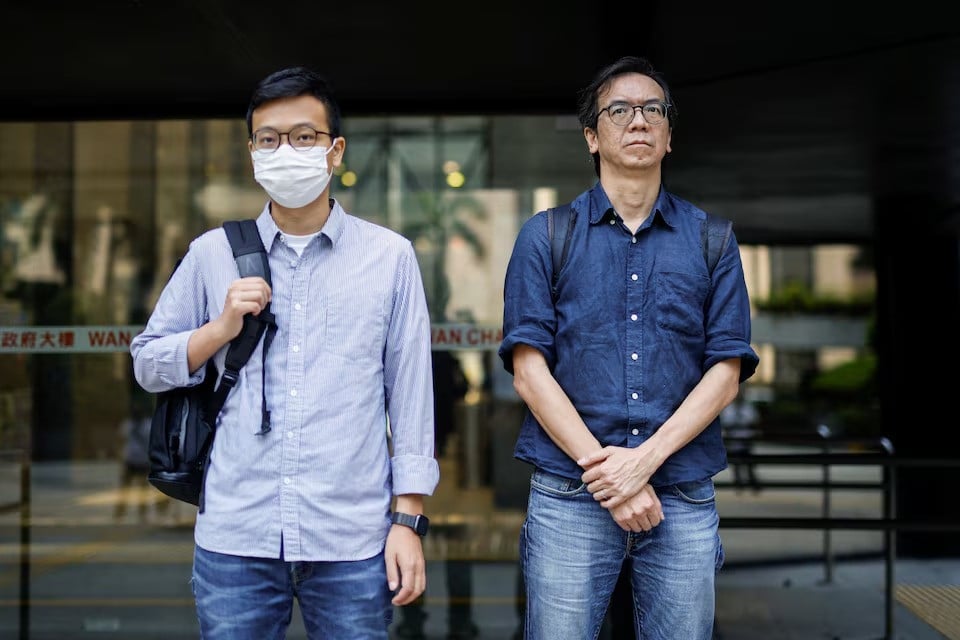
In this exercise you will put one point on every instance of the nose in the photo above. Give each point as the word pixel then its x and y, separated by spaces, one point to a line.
pixel 638 115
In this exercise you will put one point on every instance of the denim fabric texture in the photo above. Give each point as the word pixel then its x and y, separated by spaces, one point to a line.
pixel 242 598
pixel 638 321
pixel 572 552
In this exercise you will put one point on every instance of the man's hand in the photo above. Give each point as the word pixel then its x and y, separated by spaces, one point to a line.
pixel 406 568
pixel 245 295
pixel 615 474
pixel 642 512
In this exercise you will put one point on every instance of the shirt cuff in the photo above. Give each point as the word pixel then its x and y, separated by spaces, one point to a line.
pixel 415 474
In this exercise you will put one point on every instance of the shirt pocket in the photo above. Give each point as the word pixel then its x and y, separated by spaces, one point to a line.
pixel 354 329
pixel 680 298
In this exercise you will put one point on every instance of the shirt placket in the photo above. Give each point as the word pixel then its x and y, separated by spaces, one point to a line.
pixel 633 341
pixel 300 306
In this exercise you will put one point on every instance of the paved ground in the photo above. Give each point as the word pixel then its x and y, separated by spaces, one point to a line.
pixel 96 572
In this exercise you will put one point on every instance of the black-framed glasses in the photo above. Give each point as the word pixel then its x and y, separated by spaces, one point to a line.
pixel 623 113
pixel 300 138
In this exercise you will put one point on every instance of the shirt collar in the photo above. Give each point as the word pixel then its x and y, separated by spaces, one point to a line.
pixel 600 209
pixel 332 228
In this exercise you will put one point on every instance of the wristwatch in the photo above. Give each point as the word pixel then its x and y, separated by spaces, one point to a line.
pixel 418 523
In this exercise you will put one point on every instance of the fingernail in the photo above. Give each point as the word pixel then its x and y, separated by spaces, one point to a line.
pixel 393 586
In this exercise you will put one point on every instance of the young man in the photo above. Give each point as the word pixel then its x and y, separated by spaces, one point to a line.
pixel 623 377
pixel 300 507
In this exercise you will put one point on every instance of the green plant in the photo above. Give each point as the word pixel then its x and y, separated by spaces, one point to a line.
pixel 796 297
pixel 432 219
pixel 856 378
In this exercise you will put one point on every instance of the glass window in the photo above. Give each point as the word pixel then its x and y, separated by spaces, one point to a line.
pixel 93 217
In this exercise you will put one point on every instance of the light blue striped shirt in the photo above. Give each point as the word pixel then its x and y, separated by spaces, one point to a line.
pixel 351 355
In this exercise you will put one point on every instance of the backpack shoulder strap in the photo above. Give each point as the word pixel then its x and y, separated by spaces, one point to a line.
pixel 251 257
pixel 248 249
pixel 252 260
pixel 560 227
pixel 715 234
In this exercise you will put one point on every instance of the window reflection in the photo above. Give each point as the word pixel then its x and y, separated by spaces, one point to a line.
pixel 94 215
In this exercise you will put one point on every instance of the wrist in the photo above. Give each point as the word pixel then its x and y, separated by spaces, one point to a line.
pixel 418 522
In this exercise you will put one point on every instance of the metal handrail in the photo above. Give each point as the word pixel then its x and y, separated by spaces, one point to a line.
pixel 877 452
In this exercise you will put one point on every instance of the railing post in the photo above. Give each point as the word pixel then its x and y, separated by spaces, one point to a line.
pixel 824 432
pixel 889 538
pixel 24 604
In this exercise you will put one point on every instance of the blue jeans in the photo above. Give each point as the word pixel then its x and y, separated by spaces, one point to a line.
pixel 241 598
pixel 571 552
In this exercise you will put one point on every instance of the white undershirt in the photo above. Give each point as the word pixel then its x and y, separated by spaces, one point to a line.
pixel 298 243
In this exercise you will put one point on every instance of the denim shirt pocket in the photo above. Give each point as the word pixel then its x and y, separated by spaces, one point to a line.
pixel 680 298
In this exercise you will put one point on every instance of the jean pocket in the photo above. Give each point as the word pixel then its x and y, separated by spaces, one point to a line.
pixel 555 485
pixel 696 492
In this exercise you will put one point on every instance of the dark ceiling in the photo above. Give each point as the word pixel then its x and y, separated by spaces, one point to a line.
pixel 799 114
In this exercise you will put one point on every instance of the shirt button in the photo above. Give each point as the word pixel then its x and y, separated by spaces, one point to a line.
pixel 613 221
pixel 286 481
pixel 633 239
pixel 289 435
pixel 296 348
pixel 635 432
pixel 633 356
pixel 634 395
pixel 634 277
pixel 297 306
pixel 633 317
pixel 293 392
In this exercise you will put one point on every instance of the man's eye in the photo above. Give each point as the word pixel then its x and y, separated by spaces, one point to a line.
pixel 619 109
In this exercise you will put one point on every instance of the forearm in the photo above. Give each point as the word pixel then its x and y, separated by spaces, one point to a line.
pixel 716 390
pixel 411 503
pixel 550 405
pixel 204 342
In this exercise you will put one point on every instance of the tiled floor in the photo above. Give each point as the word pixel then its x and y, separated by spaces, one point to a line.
pixel 94 575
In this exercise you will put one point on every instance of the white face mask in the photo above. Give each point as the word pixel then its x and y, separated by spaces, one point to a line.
pixel 292 178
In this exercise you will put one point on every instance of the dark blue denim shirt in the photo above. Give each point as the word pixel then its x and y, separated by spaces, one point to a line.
pixel 638 321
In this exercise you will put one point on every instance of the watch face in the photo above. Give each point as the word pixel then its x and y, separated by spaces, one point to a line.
pixel 422 525
pixel 419 523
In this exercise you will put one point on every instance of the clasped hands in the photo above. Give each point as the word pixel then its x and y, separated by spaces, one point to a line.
pixel 617 478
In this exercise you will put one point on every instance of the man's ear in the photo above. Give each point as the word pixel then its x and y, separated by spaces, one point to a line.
pixel 590 136
pixel 339 147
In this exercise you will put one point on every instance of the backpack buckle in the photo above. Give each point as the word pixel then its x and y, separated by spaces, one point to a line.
pixel 229 377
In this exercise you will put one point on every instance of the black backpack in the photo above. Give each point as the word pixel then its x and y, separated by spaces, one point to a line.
pixel 185 418
pixel 714 235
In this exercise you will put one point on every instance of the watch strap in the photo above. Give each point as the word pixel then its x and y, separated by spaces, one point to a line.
pixel 419 523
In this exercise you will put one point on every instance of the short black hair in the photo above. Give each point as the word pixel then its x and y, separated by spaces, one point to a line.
pixel 290 83
pixel 587 107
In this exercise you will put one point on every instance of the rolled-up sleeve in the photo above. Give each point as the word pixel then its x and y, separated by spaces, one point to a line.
pixel 528 311
pixel 408 382
pixel 728 315
pixel 160 351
